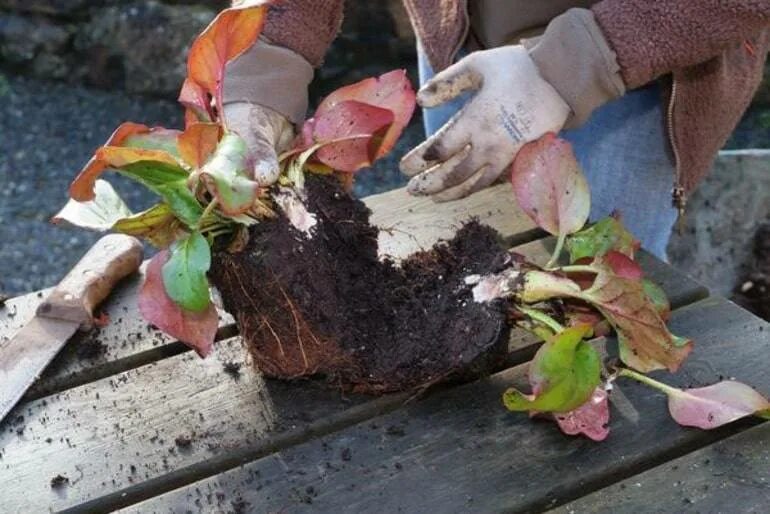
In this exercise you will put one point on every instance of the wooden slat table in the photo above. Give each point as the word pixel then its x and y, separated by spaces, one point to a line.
pixel 129 419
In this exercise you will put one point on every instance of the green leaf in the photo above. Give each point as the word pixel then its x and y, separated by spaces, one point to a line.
pixel 603 236
pixel 228 178
pixel 98 214
pixel 158 139
pixel 153 173
pixel 170 182
pixel 563 374
pixel 657 296
pixel 184 274
pixel 158 224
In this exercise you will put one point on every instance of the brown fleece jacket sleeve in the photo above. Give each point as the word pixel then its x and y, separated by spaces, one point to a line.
pixel 654 37
pixel 307 27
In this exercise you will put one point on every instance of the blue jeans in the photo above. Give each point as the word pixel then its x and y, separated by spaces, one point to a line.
pixel 625 156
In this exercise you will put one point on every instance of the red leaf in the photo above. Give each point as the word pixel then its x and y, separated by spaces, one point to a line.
pixel 196 330
pixel 198 142
pixel 362 126
pixel 715 405
pixel 231 33
pixel 623 266
pixel 550 187
pixel 82 188
pixel 590 419
pixel 391 91
pixel 197 103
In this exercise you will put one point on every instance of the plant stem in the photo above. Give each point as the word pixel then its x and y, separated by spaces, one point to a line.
pixel 660 386
pixel 577 268
pixel 542 317
pixel 556 251
pixel 208 210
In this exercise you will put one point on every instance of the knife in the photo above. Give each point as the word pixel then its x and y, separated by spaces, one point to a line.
pixel 69 307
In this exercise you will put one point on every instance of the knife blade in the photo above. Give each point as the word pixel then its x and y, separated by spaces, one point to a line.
pixel 69 308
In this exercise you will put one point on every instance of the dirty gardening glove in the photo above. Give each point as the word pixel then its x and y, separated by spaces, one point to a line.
pixel 513 105
pixel 266 133
pixel 264 94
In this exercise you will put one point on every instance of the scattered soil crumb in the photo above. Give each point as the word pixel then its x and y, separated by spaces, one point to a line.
pixel 240 506
pixel 395 430
pixel 183 441
pixel 233 369
pixel 59 481
pixel 91 349
pixel 346 454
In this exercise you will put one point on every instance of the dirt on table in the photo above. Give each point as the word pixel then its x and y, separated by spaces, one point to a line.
pixel 328 305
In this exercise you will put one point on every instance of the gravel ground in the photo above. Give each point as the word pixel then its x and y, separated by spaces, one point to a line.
pixel 49 130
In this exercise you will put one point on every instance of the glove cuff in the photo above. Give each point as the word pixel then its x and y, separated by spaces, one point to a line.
pixel 575 58
pixel 271 76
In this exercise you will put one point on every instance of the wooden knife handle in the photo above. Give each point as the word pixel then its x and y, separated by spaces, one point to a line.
pixel 112 258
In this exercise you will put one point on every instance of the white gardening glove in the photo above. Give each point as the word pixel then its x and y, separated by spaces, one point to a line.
pixel 267 134
pixel 513 105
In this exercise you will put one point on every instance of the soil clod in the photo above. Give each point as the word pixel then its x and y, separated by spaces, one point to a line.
pixel 59 481
pixel 328 305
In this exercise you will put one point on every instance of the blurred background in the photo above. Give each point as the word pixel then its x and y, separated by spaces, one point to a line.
pixel 72 70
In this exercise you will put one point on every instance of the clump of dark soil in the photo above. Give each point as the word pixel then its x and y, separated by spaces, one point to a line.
pixel 59 481
pixel 327 305
pixel 753 289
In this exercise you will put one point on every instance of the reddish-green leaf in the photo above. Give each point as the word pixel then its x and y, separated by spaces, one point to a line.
pixel 196 330
pixel 231 33
pixel 623 266
pixel 82 188
pixel 99 214
pixel 605 235
pixel 391 91
pixel 715 405
pixel 184 274
pixel 563 374
pixel 550 187
pixel 228 176
pixel 198 142
pixel 590 419
pixel 197 103
pixel 658 297
pixel 158 138
pixel 637 321
pixel 349 133
pixel 158 225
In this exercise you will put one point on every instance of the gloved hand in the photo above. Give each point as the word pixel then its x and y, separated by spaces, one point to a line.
pixel 513 105
pixel 264 93
pixel 266 133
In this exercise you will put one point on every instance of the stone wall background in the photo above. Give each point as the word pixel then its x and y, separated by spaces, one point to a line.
pixel 140 46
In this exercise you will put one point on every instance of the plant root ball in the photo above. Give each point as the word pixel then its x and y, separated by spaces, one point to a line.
pixel 327 305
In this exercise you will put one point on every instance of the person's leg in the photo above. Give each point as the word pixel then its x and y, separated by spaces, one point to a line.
pixel 625 155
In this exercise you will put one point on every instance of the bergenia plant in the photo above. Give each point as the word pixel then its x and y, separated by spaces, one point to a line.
pixel 600 287
pixel 202 175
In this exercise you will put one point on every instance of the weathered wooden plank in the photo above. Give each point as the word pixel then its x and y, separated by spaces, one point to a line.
pixel 180 416
pixel 679 287
pixel 729 476
pixel 460 451
pixel 126 342
pixel 411 223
